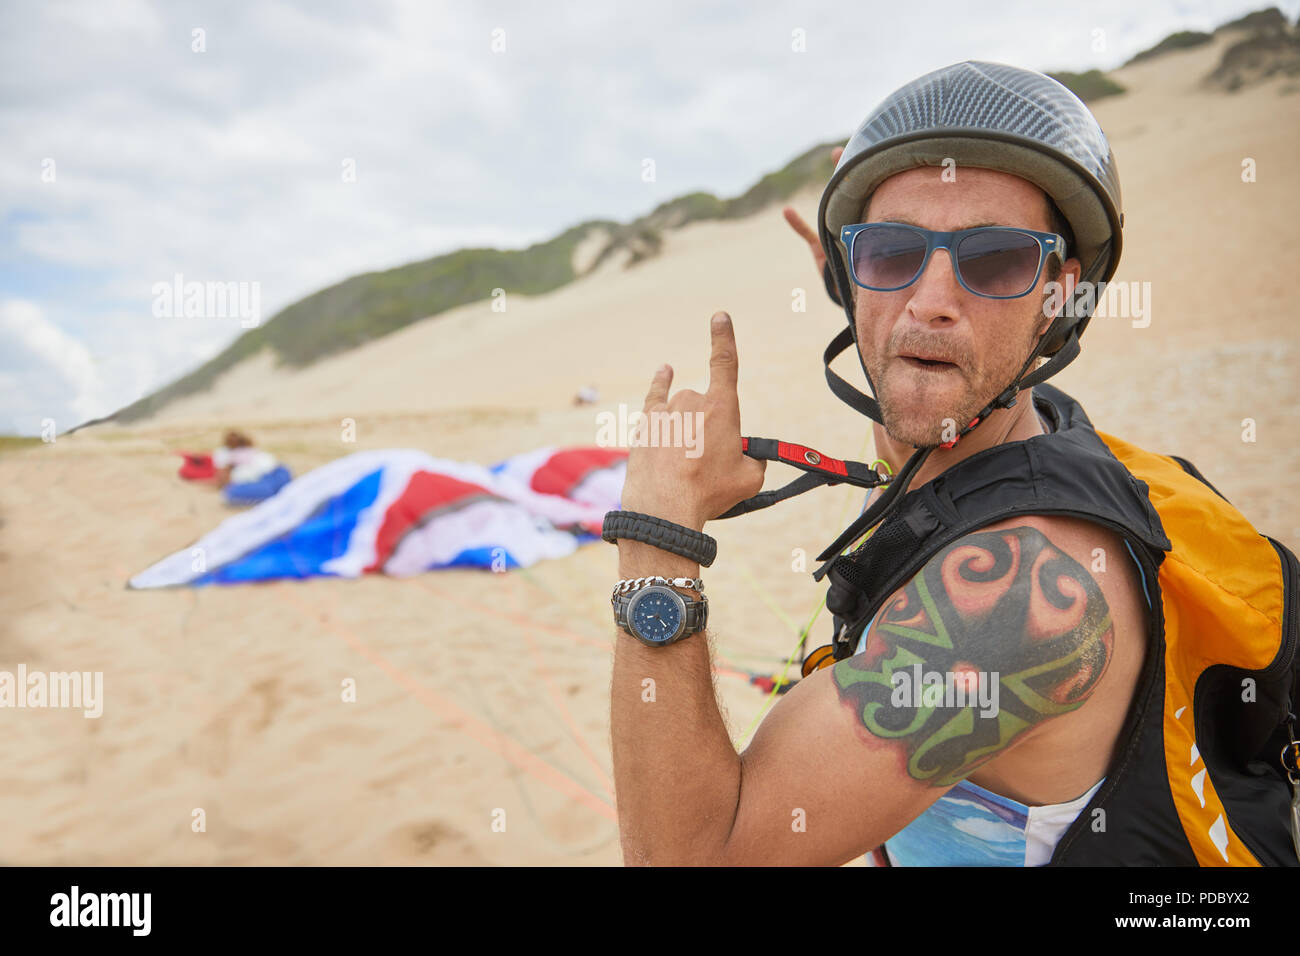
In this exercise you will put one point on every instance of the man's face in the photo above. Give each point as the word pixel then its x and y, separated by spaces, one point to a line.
pixel 981 343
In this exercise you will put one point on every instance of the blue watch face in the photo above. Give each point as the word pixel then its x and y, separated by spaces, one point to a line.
pixel 656 616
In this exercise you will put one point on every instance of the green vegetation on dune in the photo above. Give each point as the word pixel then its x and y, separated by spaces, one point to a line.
pixel 16 442
pixel 643 237
pixel 1182 40
pixel 1089 86
pixel 811 167
pixel 684 209
pixel 1268 19
pixel 371 305
pixel 368 306
pixel 1262 55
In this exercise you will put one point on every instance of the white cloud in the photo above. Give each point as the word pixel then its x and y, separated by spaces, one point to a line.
pixel 122 17
pixel 46 372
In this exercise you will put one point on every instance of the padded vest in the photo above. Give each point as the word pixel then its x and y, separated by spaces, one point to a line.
pixel 1196 778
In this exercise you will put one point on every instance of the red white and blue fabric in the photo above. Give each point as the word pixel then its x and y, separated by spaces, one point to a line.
pixel 402 512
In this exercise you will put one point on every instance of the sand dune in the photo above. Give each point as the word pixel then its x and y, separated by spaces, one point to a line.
pixel 481 692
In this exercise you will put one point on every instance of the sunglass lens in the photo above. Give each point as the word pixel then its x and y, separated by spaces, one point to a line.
pixel 887 257
pixel 998 263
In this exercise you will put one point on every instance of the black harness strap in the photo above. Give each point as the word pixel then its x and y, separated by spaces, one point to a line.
pixel 818 470
pixel 874 514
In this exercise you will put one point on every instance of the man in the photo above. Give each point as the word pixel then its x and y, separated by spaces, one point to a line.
pixel 948 328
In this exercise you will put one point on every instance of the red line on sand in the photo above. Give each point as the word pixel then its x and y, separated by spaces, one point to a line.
pixel 581 740
pixel 578 737
pixel 487 736
pixel 523 621
pixel 518 619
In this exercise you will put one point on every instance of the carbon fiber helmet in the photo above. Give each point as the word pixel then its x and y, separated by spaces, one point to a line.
pixel 997 117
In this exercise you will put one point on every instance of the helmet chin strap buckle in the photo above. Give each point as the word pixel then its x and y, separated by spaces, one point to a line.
pixel 1006 400
pixel 963 433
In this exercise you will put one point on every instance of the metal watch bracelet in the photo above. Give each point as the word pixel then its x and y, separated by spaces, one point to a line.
pixel 634 584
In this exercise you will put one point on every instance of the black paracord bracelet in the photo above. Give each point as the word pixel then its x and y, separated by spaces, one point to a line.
pixel 675 538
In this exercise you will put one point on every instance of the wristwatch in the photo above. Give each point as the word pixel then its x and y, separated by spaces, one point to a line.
pixel 657 615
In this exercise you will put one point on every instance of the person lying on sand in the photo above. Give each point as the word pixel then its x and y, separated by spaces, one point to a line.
pixel 245 473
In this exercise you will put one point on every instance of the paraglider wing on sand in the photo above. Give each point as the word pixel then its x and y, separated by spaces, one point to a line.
pixel 403 512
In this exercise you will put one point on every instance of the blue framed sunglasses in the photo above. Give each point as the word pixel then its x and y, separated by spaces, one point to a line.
pixel 996 262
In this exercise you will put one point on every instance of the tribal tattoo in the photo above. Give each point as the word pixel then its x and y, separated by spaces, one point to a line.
pixel 998 632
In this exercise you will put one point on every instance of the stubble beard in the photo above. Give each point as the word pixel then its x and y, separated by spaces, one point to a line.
pixel 921 408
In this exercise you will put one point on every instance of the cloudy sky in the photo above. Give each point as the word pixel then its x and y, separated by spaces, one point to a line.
pixel 136 148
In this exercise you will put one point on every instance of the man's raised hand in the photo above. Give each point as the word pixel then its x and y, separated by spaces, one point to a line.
pixel 691 485
pixel 805 231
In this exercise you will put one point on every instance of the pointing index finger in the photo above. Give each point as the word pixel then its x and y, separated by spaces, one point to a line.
pixel 723 363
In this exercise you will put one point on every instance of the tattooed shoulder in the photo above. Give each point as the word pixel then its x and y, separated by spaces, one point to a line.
pixel 998 632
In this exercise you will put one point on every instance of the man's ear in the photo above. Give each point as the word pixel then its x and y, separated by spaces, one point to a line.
pixel 1072 266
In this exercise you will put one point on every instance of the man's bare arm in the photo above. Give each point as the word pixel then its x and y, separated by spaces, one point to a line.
pixel 857 751
pixel 676 772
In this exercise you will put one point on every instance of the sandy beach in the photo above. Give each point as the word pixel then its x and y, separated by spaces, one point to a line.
pixel 478 693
